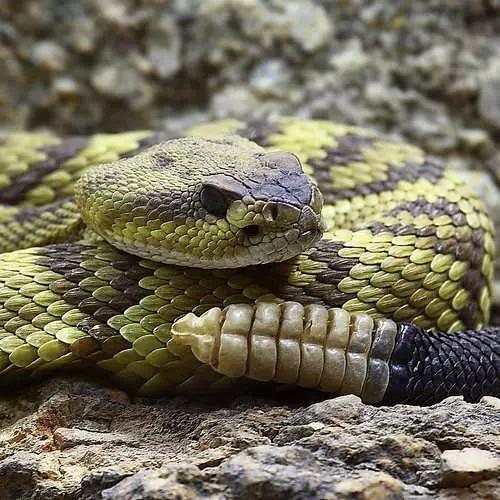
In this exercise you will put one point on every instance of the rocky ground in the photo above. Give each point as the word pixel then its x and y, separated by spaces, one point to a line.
pixel 426 71
pixel 68 439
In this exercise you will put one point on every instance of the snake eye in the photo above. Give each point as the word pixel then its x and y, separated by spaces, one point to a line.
pixel 214 201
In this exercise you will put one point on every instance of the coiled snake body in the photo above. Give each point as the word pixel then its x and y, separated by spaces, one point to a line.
pixel 178 265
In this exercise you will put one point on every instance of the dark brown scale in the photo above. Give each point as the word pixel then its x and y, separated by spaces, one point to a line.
pixel 135 273
pixel 470 315
pixel 348 150
pixel 61 267
pixel 426 231
pixel 33 214
pixel 75 296
pixel 336 298
pixel 86 324
pixel 121 302
pixel 71 252
pixel 77 274
pixel 422 206
pixel 122 262
pixel 101 332
pixel 136 292
pixel 89 305
pixel 161 162
pixel 324 289
pixel 328 250
pixel 122 282
pixel 446 246
pixel 405 230
pixel 463 251
pixel 322 176
pixel 331 276
pixel 432 170
pixel 259 131
pixel 299 294
pixel 459 219
pixel 473 281
pixel 478 237
pixel 476 259
pixel 104 313
pixel 56 155
pixel 378 227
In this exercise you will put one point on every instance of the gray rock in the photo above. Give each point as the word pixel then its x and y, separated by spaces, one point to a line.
pixel 467 466
pixel 163 46
pixel 270 77
pixel 307 23
pixel 176 481
pixel 49 55
pixel 118 79
pixel 72 438
pixel 489 96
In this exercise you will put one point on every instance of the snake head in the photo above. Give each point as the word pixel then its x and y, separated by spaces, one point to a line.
pixel 217 202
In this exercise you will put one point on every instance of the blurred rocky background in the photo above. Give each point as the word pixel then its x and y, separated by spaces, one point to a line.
pixel 428 72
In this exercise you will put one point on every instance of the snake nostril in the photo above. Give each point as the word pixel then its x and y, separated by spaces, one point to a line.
pixel 274 212
pixel 252 230
pixel 270 212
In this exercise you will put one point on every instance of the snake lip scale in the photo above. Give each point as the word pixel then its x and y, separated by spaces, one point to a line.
pixel 296 251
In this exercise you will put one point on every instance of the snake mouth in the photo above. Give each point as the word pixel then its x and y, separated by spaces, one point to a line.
pixel 289 232
pixel 251 231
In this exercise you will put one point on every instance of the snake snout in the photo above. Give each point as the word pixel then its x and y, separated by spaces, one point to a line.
pixel 289 229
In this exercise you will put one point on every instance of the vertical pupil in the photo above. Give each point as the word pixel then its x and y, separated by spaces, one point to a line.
pixel 213 200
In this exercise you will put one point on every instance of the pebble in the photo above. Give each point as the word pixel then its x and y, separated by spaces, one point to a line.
pixel 468 466
pixel 49 56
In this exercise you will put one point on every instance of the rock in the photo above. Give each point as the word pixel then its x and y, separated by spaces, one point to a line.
pixel 49 56
pixel 179 481
pixel 70 437
pixel 270 77
pixel 467 466
pixel 489 96
pixel 370 485
pixel 434 132
pixel 163 46
pixel 474 139
pixel 233 100
pixel 346 408
pixel 308 23
pixel 351 59
pixel 403 68
pixel 67 438
pixel 118 79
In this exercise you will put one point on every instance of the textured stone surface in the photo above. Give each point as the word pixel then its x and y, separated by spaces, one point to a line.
pixel 72 438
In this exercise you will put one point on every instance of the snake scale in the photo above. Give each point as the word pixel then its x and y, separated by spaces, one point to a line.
pixel 288 250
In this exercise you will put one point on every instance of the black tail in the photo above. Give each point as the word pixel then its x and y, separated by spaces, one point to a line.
pixel 426 367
